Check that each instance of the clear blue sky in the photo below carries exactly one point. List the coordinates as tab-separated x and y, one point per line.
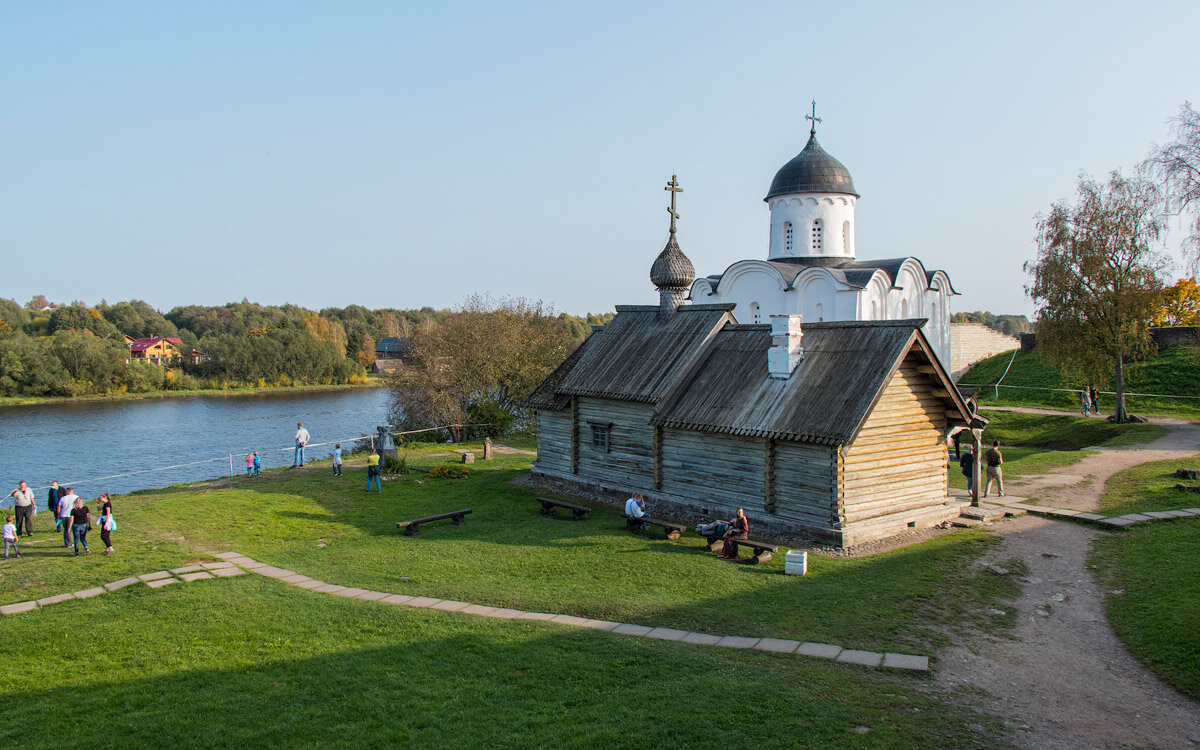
407	154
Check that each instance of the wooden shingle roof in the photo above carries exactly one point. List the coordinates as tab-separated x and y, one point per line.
636	357
840	376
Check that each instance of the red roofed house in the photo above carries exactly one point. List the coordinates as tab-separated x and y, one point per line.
160	350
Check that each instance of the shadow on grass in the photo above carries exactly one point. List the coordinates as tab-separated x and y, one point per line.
269	666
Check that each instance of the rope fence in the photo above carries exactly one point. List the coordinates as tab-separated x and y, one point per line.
1073	390
229	456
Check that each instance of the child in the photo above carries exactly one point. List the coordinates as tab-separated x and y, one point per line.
249	463
337	460
10	537
257	463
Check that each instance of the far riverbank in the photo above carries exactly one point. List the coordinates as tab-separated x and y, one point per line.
245	390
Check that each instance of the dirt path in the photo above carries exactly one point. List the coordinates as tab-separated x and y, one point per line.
1080	485
1064	680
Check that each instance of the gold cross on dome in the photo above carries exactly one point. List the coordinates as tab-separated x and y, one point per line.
673	186
814	118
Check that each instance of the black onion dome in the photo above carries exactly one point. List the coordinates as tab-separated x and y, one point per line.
672	269
812	171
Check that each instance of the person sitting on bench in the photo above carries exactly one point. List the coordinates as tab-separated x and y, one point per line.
714	529
739	529
635	507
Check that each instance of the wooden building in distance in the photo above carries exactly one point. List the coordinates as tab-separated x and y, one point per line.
836	431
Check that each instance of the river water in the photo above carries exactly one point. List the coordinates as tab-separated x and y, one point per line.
79	443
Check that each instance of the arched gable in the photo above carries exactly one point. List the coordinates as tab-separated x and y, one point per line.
750	268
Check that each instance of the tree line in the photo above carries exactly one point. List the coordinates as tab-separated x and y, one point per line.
476	365
74	349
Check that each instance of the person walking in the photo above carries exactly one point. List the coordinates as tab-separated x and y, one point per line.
66	504
249	464
337	460
1086	399
25	509
80	523
373	471
9	532
967	464
301	441
257	463
993	458
52	499
1095	394
107	523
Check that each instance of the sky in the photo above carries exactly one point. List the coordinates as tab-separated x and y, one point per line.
394	154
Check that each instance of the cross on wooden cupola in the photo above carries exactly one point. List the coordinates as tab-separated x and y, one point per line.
673	187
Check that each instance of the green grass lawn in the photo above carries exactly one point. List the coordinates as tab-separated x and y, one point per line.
1150	486
508	554
1156	566
1064	433
1019	462
1173	371
251	662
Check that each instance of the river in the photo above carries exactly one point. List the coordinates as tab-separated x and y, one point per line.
78	443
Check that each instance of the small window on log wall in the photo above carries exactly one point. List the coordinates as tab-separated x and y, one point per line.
601	436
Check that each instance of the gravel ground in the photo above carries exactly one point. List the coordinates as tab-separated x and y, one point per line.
1064	679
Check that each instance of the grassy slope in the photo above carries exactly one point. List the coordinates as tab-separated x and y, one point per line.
267	665
1173	370
1157	567
251	661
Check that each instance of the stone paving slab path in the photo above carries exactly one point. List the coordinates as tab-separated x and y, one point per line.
227	569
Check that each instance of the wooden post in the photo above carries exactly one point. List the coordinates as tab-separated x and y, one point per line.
656	442
977	440
574	434
769	475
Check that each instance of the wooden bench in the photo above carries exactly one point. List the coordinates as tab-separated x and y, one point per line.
412	527
762	551
673	530
579	513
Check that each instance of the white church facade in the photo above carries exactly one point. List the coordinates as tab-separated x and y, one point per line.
811	267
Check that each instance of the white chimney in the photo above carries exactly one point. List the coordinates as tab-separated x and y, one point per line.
785	351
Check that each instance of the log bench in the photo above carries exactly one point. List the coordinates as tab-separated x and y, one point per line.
762	551
579	513
673	530
412	527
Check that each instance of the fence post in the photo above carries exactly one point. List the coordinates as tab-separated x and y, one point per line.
230	465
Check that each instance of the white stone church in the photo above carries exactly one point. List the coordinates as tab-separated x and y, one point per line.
811	268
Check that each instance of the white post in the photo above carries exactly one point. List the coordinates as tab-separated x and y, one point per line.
231	465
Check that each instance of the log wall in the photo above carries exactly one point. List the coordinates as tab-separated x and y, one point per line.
554	440
806	484
898	461
723	470
629	459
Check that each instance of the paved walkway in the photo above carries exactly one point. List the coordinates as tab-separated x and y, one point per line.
235	564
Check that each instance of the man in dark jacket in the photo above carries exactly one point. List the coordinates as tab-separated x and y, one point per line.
52	499
967	464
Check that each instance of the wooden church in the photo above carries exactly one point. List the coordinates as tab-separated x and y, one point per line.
836	431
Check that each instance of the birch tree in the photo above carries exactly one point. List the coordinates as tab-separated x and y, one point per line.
1096	278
